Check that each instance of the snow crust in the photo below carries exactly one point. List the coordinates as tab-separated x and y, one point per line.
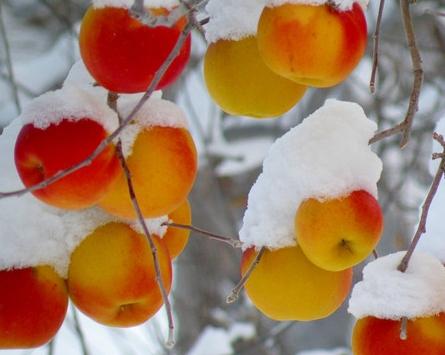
326	156
155	112
166	4
388	293
72	103
33	233
232	19
342	5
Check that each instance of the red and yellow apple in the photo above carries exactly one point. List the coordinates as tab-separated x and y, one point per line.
123	54
33	304
41	153
163	165
285	285
336	234
372	336
175	239
112	278
313	45
241	84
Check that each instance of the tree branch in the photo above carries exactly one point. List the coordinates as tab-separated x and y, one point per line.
375	54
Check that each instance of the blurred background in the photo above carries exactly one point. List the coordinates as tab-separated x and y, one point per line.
38	46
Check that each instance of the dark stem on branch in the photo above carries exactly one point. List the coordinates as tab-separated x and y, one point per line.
375	54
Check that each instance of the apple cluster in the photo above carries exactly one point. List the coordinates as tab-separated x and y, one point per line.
330	220
111	275
260	65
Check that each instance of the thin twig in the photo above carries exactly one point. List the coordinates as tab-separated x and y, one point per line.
404	127
51	343
375	54
11	77
234	243
79	332
112	102
88	160
237	289
375	254
421	228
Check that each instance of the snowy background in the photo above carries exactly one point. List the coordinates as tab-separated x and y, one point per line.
42	38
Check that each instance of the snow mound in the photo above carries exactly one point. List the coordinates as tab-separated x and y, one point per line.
326	156
155	112
342	5
232	19
166	4
388	293
70	102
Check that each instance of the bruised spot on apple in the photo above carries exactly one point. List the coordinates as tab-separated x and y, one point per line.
41	153
112	278
313	45
123	54
242	85
285	285
33	305
425	335
339	233
163	166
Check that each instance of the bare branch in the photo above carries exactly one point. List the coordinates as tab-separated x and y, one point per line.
11	77
234	243
236	291
421	228
375	54
79	332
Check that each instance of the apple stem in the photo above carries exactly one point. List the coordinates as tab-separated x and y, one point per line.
234	243
170	342
234	295
404	328
421	228
108	140
375	53
404	127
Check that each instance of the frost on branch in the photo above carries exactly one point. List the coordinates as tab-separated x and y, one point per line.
388	293
326	156
166	4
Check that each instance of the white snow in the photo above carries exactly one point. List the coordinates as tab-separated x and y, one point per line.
166	4
388	293
70	102
154	226
336	351
326	156
342	5
155	112
232	19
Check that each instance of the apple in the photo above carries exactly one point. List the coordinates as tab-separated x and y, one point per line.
33	305
314	45
336	234
425	335
112	278
242	85
41	153
163	166
285	285
123	54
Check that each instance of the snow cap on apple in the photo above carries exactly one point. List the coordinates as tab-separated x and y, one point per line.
342	5
327	156
232	19
388	293
166	4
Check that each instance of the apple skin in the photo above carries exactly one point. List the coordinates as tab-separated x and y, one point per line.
339	233
242	85
123	55
41	153
33	305
285	285
316	46
372	336
176	239
112	279
163	165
